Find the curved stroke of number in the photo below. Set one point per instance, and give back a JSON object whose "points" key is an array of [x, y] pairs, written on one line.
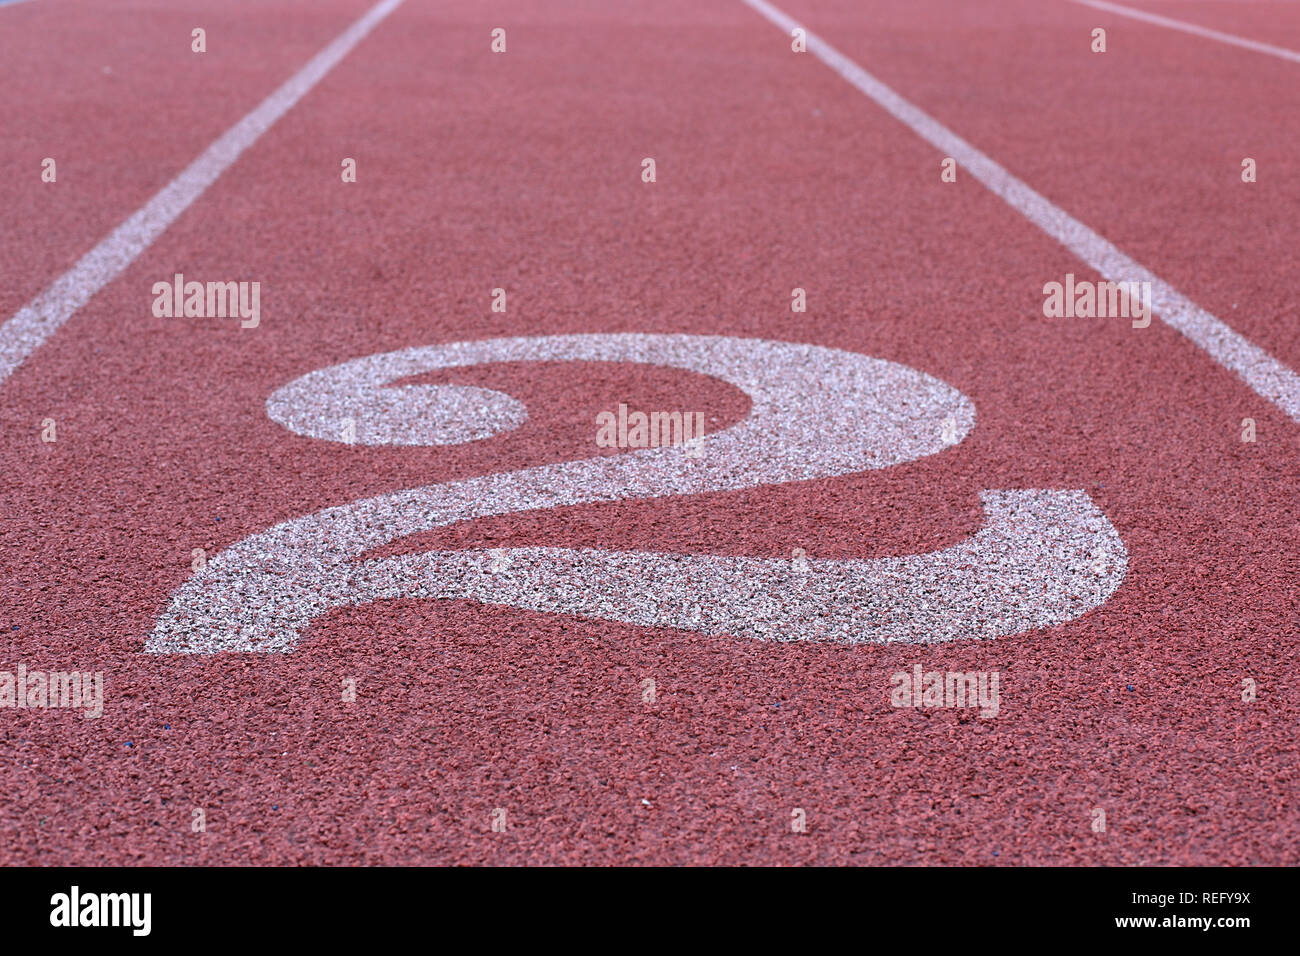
{"points": [[1043, 557]]}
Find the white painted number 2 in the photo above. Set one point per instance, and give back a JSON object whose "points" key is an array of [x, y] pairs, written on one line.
{"points": [[1043, 557]]}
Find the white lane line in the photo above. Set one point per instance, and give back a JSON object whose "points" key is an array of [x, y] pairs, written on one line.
{"points": [[1268, 377], [1280, 52], [31, 325]]}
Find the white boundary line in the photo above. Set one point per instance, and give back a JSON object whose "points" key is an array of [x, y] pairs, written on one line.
{"points": [[31, 325], [1280, 52], [1266, 376]]}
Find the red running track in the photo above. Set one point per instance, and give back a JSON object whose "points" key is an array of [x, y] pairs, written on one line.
{"points": [[522, 171]]}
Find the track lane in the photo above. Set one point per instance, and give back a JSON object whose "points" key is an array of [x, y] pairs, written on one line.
{"points": [[1143, 144], [118, 99], [522, 171]]}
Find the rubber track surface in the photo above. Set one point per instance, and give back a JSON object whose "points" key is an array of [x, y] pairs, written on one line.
{"points": [[522, 171]]}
